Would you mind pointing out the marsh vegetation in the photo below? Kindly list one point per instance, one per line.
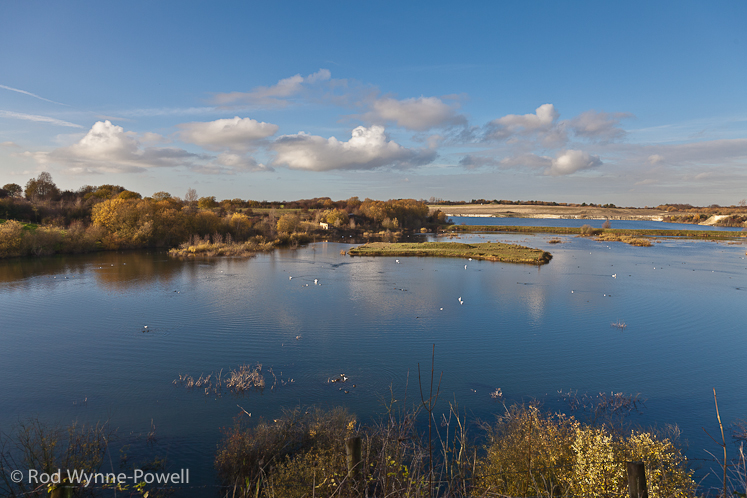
(490, 251)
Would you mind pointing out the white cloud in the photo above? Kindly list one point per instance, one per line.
(601, 126)
(238, 162)
(543, 119)
(274, 95)
(108, 148)
(234, 134)
(368, 148)
(712, 152)
(655, 159)
(38, 119)
(9, 145)
(420, 114)
(567, 162)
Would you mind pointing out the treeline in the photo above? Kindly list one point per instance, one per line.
(43, 220)
(434, 200)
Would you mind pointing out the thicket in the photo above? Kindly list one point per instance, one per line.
(526, 452)
(43, 220)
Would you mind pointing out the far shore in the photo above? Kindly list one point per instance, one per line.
(549, 212)
(568, 212)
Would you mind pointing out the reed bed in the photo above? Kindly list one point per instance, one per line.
(240, 380)
(218, 246)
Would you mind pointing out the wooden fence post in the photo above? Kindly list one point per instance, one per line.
(637, 480)
(353, 449)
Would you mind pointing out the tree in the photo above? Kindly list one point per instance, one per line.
(288, 223)
(191, 196)
(13, 189)
(41, 187)
(161, 196)
(207, 202)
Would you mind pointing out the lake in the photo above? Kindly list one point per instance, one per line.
(75, 346)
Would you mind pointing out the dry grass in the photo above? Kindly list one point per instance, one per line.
(239, 380)
(628, 239)
(207, 248)
(495, 251)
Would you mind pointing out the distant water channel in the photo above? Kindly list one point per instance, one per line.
(73, 343)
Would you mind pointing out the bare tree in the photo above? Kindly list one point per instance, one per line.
(191, 196)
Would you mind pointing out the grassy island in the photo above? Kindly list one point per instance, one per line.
(491, 251)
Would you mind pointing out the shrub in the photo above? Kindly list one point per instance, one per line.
(10, 238)
(530, 453)
(588, 230)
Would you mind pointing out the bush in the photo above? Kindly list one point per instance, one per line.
(10, 238)
(535, 454)
(289, 456)
(588, 230)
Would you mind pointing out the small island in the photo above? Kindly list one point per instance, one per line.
(490, 251)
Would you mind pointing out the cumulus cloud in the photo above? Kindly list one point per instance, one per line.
(567, 162)
(419, 114)
(543, 127)
(368, 148)
(600, 126)
(38, 119)
(274, 95)
(542, 120)
(108, 148)
(233, 134)
(9, 145)
(239, 162)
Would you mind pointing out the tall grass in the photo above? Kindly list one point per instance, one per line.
(525, 453)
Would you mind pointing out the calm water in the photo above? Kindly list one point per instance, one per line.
(73, 345)
(622, 224)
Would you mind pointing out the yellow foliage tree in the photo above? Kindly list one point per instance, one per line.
(10, 238)
(288, 223)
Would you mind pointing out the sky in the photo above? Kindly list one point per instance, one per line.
(631, 103)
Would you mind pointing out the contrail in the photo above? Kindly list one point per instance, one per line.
(31, 94)
(34, 117)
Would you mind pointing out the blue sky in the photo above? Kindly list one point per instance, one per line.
(634, 103)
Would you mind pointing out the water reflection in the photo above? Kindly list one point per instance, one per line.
(112, 270)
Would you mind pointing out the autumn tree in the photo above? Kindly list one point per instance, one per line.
(207, 202)
(41, 188)
(288, 223)
(13, 189)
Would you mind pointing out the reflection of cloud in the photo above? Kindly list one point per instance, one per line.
(133, 270)
(368, 148)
